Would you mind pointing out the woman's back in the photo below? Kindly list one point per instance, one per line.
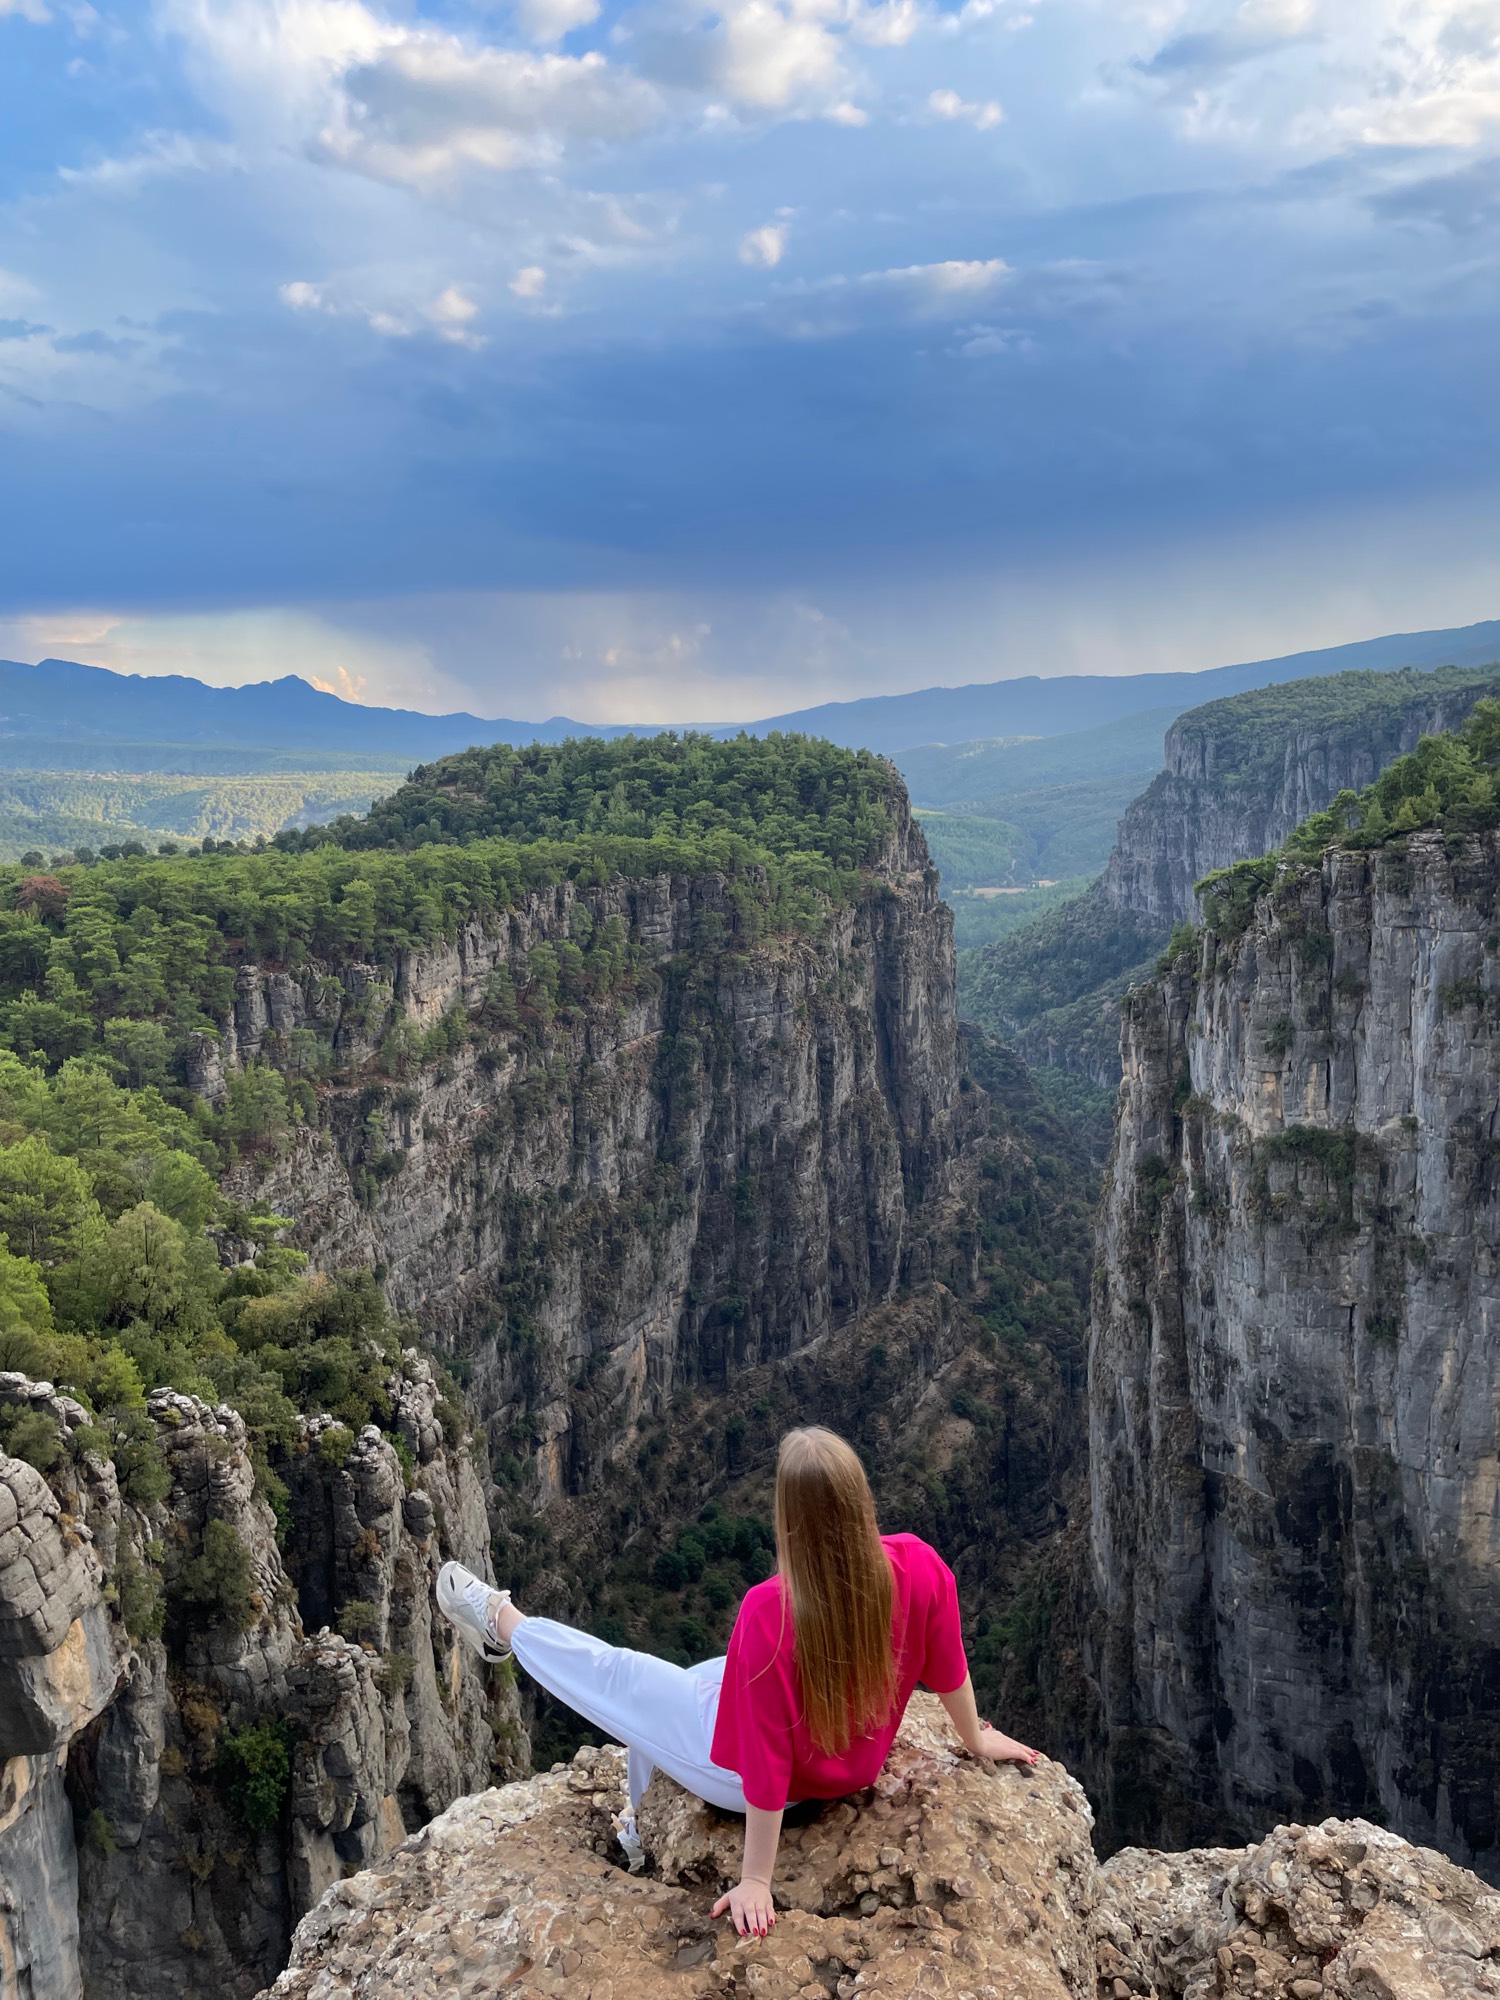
(761, 1730)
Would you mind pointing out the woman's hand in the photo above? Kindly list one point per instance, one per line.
(750, 1906)
(1001, 1749)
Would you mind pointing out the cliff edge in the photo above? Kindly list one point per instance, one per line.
(945, 1878)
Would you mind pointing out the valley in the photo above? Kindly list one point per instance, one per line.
(498, 1173)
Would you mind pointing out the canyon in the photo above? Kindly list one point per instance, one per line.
(651, 1165)
(750, 1172)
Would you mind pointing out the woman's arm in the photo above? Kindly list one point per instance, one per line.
(978, 1738)
(750, 1904)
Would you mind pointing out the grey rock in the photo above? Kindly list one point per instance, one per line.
(1293, 1379)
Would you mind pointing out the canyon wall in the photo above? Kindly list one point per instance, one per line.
(712, 1168)
(1293, 1373)
(1237, 781)
(184, 1771)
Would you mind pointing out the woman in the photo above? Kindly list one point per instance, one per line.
(821, 1665)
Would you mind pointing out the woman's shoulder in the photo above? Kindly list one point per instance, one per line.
(762, 1605)
(911, 1554)
(908, 1545)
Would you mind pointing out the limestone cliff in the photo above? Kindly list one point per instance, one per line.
(185, 1773)
(1293, 1375)
(597, 1205)
(1242, 773)
(943, 1879)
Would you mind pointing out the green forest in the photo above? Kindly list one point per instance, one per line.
(1063, 957)
(787, 795)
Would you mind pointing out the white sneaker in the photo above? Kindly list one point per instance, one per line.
(469, 1604)
(629, 1837)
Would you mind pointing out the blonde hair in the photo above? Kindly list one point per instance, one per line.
(837, 1577)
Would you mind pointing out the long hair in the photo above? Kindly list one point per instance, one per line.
(837, 1577)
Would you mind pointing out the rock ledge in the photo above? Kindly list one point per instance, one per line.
(944, 1879)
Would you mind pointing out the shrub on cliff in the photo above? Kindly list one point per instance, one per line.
(254, 1767)
(218, 1582)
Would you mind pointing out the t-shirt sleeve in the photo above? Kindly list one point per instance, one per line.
(753, 1729)
(945, 1665)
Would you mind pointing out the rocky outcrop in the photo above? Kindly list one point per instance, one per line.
(944, 1878)
(1242, 773)
(1340, 1911)
(1293, 1378)
(58, 1671)
(190, 1757)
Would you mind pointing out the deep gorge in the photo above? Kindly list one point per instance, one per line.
(554, 1180)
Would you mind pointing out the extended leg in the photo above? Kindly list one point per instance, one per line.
(649, 1705)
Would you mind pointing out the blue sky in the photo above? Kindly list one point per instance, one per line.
(699, 358)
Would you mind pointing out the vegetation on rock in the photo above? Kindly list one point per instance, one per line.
(787, 796)
(1450, 783)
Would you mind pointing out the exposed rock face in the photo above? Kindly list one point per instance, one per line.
(57, 1672)
(1225, 796)
(641, 1192)
(1293, 1379)
(944, 1878)
(171, 1895)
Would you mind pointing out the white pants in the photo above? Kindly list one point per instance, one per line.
(664, 1715)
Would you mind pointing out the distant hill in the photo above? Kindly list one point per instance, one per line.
(62, 701)
(58, 711)
(1036, 707)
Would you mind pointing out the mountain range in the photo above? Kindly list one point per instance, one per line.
(55, 713)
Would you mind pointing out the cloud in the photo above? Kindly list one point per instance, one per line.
(156, 155)
(399, 102)
(453, 313)
(889, 24)
(450, 315)
(25, 10)
(908, 294)
(948, 104)
(767, 56)
(21, 329)
(424, 109)
(1464, 202)
(550, 20)
(94, 342)
(1304, 77)
(529, 282)
(773, 57)
(765, 246)
(955, 278)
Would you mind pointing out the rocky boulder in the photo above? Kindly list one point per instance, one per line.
(1341, 1911)
(945, 1878)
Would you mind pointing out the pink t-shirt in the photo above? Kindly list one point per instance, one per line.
(760, 1732)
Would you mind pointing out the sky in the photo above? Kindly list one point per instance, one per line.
(673, 360)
